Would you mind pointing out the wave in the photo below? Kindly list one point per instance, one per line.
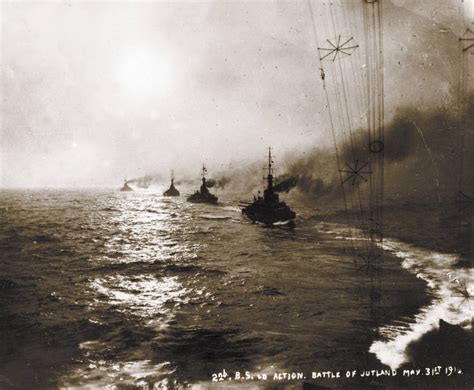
(445, 283)
(232, 208)
(145, 296)
(214, 216)
(102, 374)
(448, 287)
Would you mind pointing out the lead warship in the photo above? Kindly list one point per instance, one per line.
(203, 195)
(269, 210)
(172, 191)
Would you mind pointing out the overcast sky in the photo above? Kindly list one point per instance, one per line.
(93, 92)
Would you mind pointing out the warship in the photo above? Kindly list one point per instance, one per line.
(203, 195)
(269, 210)
(143, 182)
(126, 187)
(172, 191)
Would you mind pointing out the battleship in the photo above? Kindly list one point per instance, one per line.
(126, 187)
(143, 182)
(172, 191)
(203, 195)
(269, 210)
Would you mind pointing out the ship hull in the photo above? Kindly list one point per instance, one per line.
(268, 215)
(171, 193)
(201, 199)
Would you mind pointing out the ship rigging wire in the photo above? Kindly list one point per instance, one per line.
(465, 46)
(355, 104)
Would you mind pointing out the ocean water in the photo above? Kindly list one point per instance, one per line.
(103, 289)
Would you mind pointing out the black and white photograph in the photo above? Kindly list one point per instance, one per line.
(236, 194)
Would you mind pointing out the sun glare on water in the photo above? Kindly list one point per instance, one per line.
(145, 73)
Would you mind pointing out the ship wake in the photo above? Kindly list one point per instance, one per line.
(450, 291)
(449, 287)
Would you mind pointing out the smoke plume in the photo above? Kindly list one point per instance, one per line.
(425, 156)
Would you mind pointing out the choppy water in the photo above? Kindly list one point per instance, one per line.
(451, 292)
(102, 288)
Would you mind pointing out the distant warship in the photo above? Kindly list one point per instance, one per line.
(203, 195)
(172, 191)
(143, 182)
(126, 187)
(269, 210)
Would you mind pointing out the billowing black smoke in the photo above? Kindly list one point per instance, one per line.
(424, 156)
(286, 184)
(218, 183)
(223, 181)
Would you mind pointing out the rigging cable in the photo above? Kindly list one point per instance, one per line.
(331, 120)
(348, 114)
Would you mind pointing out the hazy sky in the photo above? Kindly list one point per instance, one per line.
(93, 92)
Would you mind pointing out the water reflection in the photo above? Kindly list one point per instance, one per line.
(143, 234)
(143, 296)
(104, 374)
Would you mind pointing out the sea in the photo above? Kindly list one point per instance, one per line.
(101, 289)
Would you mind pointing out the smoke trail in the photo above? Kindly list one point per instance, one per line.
(418, 164)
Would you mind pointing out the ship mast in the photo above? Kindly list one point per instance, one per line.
(204, 170)
(268, 195)
(270, 170)
(172, 177)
